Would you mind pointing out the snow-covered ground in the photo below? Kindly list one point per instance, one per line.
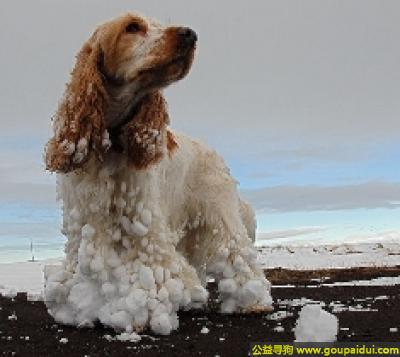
(23, 277)
(313, 256)
(28, 276)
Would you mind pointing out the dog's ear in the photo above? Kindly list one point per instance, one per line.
(79, 126)
(146, 136)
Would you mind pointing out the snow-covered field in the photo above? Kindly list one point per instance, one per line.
(23, 277)
(313, 256)
(28, 276)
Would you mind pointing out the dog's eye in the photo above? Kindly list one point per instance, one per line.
(133, 27)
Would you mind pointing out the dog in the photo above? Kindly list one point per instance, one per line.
(148, 214)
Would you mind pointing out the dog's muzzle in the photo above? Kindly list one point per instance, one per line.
(187, 37)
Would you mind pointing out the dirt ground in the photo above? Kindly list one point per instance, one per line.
(365, 313)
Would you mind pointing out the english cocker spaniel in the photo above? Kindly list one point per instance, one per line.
(148, 213)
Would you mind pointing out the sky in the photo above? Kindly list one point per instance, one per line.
(301, 98)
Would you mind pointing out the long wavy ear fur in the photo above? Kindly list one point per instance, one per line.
(79, 126)
(146, 136)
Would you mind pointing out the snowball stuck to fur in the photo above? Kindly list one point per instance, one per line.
(146, 277)
(152, 304)
(78, 157)
(139, 207)
(228, 306)
(126, 224)
(175, 289)
(159, 274)
(146, 217)
(228, 271)
(55, 291)
(174, 268)
(120, 319)
(238, 263)
(97, 264)
(82, 144)
(227, 286)
(139, 229)
(223, 253)
(74, 214)
(316, 325)
(116, 236)
(112, 259)
(108, 289)
(161, 324)
(150, 250)
(86, 298)
(163, 294)
(136, 300)
(199, 294)
(251, 292)
(88, 231)
(68, 147)
(141, 316)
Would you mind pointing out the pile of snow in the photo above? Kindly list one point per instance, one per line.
(124, 337)
(316, 325)
(205, 330)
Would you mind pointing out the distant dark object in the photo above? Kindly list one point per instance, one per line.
(32, 253)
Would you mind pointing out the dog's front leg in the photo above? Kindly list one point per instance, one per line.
(241, 282)
(221, 239)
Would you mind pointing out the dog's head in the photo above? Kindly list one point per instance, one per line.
(114, 91)
(135, 49)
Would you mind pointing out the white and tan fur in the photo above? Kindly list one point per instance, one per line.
(148, 213)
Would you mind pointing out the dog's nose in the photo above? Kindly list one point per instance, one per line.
(187, 36)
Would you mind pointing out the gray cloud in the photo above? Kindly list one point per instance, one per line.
(311, 152)
(22, 174)
(28, 193)
(288, 198)
(288, 233)
(286, 81)
(374, 194)
(386, 236)
(266, 72)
